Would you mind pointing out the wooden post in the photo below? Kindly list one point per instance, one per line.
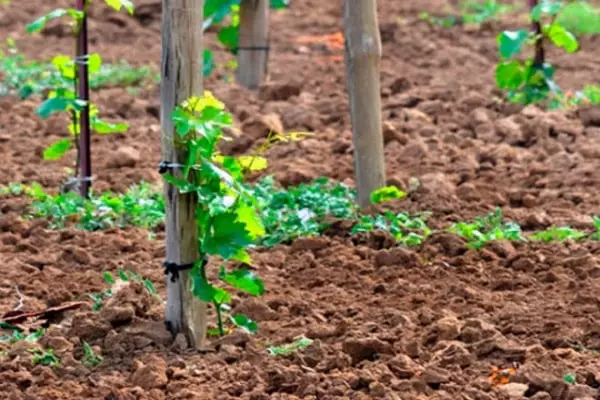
(181, 78)
(253, 50)
(83, 93)
(362, 58)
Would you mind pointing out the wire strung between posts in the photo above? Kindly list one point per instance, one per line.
(173, 269)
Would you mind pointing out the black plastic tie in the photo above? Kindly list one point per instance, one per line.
(252, 48)
(173, 269)
(165, 166)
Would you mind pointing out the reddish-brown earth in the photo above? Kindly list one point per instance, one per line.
(386, 322)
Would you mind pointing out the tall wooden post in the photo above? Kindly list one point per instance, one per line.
(83, 93)
(181, 77)
(362, 58)
(253, 50)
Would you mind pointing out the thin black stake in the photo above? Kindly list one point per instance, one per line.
(83, 93)
(538, 61)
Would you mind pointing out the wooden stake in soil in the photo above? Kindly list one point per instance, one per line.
(362, 58)
(83, 93)
(181, 78)
(253, 48)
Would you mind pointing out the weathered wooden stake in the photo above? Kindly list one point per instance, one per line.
(362, 58)
(253, 53)
(181, 77)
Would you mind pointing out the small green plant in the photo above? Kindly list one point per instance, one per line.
(227, 212)
(570, 378)
(558, 234)
(63, 97)
(25, 77)
(487, 229)
(407, 230)
(18, 336)
(90, 358)
(45, 357)
(124, 276)
(532, 80)
(141, 205)
(596, 234)
(471, 13)
(299, 344)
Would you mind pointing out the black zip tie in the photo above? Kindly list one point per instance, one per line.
(82, 60)
(173, 269)
(165, 166)
(252, 48)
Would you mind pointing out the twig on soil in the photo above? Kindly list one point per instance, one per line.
(21, 299)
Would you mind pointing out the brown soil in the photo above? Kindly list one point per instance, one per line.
(386, 322)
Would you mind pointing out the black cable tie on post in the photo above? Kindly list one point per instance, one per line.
(165, 166)
(251, 48)
(173, 269)
(82, 60)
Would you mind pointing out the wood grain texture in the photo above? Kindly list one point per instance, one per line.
(181, 78)
(362, 58)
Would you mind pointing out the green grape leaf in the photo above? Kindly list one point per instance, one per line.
(229, 37)
(118, 4)
(510, 75)
(41, 22)
(208, 64)
(279, 4)
(226, 236)
(57, 149)
(511, 42)
(64, 65)
(205, 291)
(244, 280)
(245, 323)
(94, 63)
(545, 7)
(386, 193)
(105, 128)
(561, 37)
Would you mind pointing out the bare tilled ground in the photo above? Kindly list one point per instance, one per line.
(387, 322)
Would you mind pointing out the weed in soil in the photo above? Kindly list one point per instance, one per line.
(90, 358)
(486, 229)
(45, 357)
(470, 13)
(25, 77)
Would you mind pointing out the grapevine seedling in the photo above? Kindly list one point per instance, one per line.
(532, 80)
(227, 212)
(301, 343)
(486, 229)
(90, 358)
(74, 99)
